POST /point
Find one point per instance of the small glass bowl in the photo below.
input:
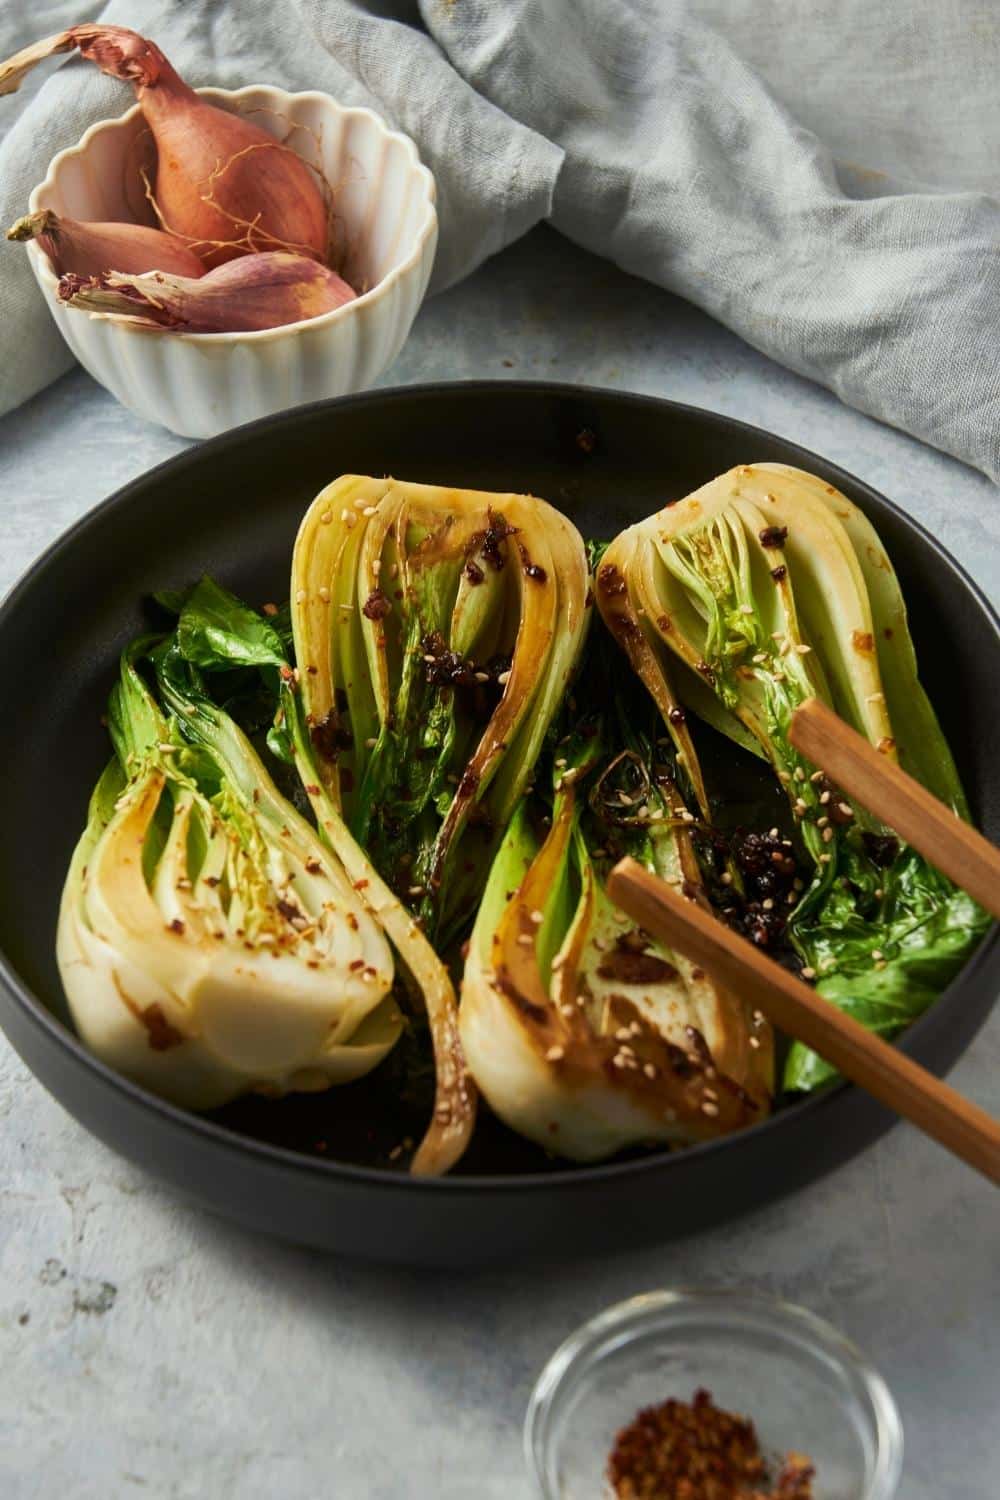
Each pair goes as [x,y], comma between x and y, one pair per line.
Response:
[805,1387]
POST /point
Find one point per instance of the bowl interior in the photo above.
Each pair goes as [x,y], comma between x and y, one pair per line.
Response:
[231,508]
[381,198]
[806,1390]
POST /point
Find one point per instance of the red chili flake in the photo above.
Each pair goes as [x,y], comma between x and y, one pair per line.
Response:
[473,572]
[376,606]
[586,440]
[531,569]
[270,609]
[773,536]
[699,1452]
[162,1035]
[312,789]
[176,925]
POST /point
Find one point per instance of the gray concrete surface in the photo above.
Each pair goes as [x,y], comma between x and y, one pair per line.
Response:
[149,1350]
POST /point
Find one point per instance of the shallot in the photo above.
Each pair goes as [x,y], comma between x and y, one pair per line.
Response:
[221,182]
[254,292]
[91,249]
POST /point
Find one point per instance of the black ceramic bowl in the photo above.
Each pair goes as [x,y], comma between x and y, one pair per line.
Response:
[231,507]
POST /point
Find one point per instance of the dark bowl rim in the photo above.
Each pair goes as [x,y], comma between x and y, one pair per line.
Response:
[565,1178]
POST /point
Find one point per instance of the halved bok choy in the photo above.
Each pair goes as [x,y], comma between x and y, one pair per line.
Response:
[209,942]
[435,633]
[219,634]
[583,1033]
[763,588]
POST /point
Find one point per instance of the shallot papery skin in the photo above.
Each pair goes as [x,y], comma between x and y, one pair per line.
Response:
[92,249]
[255,292]
[221,182]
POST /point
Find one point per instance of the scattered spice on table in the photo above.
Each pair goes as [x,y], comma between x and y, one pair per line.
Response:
[682,1451]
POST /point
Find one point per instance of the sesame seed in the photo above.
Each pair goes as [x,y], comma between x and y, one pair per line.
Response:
[824,798]
[537,917]
[877,954]
[485,677]
[758,657]
[726,878]
[767,904]
[875,698]
[503,678]
[371,742]
[822,822]
[824,859]
[525,939]
[846,809]
[808,973]
[784,777]
[879,893]
[746,609]
[555,1053]
[816,776]
[711,1094]
[326,517]
[324,594]
[755,1042]
[801,807]
[791,898]
[773,833]
[827,835]
[799,774]
[803,649]
[300,595]
[709,1108]
[649,1069]
[369,510]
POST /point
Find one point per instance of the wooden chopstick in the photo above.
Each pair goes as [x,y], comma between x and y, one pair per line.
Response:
[887,1074]
[901,803]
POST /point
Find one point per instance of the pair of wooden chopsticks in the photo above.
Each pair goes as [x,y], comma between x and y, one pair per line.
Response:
[948,843]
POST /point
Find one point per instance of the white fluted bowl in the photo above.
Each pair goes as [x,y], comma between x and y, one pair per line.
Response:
[201,384]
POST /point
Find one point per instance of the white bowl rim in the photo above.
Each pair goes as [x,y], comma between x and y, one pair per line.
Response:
[428,227]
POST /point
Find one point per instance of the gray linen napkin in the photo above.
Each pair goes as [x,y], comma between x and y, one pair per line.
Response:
[673,138]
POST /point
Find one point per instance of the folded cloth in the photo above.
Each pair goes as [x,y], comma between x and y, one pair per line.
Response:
[674,139]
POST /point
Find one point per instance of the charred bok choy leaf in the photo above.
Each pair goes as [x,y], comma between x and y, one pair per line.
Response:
[764,588]
[585,1034]
[221,634]
[209,942]
[435,632]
